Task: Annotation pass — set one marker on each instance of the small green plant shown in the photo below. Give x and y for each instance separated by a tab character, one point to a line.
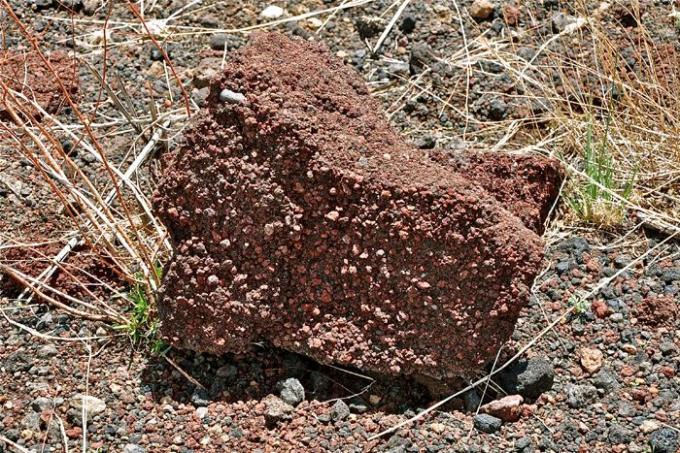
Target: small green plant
580	305
142	327
599	199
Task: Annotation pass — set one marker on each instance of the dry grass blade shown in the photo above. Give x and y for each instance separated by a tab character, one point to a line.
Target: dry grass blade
390	25
12	444
33	285
41	335
114	97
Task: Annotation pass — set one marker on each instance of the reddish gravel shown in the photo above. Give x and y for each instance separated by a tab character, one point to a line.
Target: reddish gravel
149	406
27	73
655	311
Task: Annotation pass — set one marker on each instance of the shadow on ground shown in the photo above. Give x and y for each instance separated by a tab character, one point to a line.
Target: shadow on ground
232	378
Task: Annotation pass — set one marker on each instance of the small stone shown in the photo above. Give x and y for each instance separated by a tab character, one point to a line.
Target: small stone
579	396
314	23
408	24
616	317
421	56
560	21
48	350
526	53
333	215
272	12
600	308
291	391
133	448
621	261
339	411
92	405
606	380
487	423
481	9
664	440
31	421
231	97
438	427
508	409
523	444
222	41
667	348
201	412
629	348
498	109
200	397
511	14
528	378
471	400
399	68
591	359
649	426
42	404
619	435
369	27
276	410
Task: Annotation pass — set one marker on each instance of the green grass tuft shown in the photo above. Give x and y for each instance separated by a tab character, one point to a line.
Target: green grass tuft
598	199
142	326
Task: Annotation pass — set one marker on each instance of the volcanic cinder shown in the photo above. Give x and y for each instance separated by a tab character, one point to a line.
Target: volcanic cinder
300	218
25	72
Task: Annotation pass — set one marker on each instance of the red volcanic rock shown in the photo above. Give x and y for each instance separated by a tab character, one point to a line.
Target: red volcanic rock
26	73
300	218
508	408
525	185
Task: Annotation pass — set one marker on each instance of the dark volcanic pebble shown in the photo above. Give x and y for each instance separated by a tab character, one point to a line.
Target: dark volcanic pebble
487	423
664	440
530	378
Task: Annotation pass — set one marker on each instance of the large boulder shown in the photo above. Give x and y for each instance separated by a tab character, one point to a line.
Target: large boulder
300	218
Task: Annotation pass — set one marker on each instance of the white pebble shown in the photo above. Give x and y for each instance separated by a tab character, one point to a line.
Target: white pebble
271	12
231	96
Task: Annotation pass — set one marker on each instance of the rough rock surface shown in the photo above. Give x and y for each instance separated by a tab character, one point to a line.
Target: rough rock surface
299	217
525	185
26	73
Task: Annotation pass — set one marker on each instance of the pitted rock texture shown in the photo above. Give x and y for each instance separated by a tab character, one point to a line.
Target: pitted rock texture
300	218
525	185
25	72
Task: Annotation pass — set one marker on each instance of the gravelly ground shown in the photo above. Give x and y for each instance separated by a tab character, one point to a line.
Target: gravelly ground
616	363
